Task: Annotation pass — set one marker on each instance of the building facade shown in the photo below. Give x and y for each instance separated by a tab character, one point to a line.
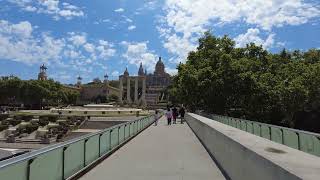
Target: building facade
149	89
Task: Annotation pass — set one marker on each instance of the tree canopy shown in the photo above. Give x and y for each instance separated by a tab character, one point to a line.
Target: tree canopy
248	82
34	92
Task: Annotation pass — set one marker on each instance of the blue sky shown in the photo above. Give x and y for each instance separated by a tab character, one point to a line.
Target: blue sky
92	38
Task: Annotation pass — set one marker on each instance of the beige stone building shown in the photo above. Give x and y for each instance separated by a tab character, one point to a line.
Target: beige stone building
144	89
96	91
141	90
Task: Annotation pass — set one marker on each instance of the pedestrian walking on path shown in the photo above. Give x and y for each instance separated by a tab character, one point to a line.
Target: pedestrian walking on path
156	117
182	112
169	115
174	114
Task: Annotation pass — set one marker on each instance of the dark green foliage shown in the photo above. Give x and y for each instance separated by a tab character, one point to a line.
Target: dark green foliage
52	118
3	116
35	93
114	83
30	128
248	82
43	120
113	98
48	118
14	122
27	117
3	127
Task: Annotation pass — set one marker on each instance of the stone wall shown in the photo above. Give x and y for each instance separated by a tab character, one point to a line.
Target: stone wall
245	156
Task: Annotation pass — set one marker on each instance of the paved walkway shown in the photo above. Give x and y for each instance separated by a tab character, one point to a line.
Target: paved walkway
159	153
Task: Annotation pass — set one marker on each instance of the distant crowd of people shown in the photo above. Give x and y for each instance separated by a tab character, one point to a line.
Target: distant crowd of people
172	113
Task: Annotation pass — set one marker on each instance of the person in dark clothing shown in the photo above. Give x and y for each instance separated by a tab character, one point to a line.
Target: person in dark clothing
169	116
174	114
156	118
182	112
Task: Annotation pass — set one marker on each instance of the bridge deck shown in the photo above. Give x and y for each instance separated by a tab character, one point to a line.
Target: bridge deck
160	152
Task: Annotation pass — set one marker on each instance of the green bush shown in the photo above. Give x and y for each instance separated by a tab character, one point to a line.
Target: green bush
53	118
14	122
5	122
17	117
50	118
3	116
3	127
27	117
30	128
64	124
43	121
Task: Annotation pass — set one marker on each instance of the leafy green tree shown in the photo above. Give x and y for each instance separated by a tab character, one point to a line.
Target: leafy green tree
248	82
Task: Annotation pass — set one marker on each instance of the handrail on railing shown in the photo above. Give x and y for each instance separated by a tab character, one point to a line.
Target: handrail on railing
308	142
65	159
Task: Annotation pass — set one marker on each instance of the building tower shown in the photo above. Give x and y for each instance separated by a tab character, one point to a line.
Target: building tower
126	73
159	69
43	73
141	72
79	79
106	78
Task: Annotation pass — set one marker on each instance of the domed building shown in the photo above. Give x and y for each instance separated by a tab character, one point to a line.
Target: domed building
156	84
149	89
159	78
159	69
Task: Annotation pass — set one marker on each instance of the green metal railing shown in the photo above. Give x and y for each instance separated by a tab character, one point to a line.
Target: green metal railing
302	140
64	160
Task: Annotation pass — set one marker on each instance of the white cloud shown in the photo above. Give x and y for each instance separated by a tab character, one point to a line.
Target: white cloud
20	43
89	47
30	8
22	29
137	52
106	20
132	27
17	43
171	71
105	51
129	20
265	14
115	73
119	10
78	39
252	35
186	20
51	7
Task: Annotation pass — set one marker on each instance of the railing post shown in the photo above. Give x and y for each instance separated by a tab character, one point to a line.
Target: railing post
270	132
260	130
28	169
63	160
124	131
119	135
282	136
140	125
129	129
84	152
100	144
110	140
299	144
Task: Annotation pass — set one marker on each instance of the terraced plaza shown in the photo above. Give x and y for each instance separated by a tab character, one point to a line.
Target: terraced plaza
32	129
